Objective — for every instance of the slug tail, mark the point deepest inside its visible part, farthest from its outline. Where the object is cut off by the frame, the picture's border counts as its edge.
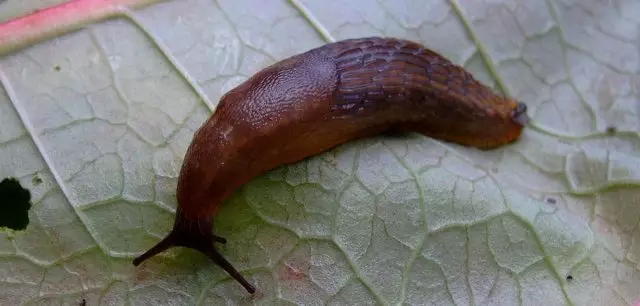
(196, 235)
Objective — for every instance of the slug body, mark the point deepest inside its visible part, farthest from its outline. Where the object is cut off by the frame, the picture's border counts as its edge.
(316, 100)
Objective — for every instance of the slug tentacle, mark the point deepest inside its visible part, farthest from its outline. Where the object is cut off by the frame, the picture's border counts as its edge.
(200, 238)
(168, 242)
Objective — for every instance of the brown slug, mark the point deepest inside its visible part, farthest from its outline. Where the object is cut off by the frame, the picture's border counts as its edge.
(316, 100)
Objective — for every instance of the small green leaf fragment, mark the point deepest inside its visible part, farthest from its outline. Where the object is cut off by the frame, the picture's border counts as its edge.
(36, 180)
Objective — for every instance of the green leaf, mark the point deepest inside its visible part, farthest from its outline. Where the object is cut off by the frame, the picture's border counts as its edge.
(99, 101)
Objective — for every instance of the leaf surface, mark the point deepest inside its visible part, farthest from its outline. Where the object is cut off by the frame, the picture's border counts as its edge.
(98, 110)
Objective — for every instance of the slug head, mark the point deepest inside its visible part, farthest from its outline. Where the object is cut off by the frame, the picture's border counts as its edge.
(201, 188)
(195, 235)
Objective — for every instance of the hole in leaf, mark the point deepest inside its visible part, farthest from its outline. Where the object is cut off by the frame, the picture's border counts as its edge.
(15, 202)
(569, 278)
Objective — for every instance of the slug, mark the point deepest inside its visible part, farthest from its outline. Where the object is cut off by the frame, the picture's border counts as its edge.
(311, 102)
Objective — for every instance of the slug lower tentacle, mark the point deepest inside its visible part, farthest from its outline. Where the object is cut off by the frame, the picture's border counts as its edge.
(316, 100)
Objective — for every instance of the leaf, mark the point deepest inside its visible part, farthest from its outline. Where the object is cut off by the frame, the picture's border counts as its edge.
(100, 100)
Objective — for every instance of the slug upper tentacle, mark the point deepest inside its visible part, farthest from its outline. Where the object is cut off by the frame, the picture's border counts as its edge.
(198, 236)
(316, 100)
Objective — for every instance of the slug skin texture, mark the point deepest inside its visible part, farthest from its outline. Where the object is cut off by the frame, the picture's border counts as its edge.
(314, 101)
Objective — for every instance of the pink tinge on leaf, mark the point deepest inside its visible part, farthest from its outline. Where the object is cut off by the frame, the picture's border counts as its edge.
(59, 19)
(292, 273)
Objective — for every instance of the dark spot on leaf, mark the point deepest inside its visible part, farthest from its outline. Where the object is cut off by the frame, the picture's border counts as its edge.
(36, 180)
(611, 130)
(551, 200)
(83, 302)
(569, 278)
(57, 68)
(15, 202)
(494, 170)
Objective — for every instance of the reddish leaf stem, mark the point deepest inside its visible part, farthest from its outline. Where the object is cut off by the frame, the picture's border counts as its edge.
(60, 19)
